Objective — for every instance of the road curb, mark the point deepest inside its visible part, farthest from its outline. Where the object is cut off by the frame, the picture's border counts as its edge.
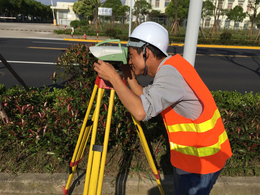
(44, 183)
(30, 30)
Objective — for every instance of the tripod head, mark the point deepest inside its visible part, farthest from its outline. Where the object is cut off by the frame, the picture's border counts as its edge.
(116, 55)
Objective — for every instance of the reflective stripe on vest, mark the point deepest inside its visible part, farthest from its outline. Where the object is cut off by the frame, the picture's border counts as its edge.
(192, 127)
(203, 151)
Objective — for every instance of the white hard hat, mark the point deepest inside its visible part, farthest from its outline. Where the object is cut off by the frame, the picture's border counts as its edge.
(152, 33)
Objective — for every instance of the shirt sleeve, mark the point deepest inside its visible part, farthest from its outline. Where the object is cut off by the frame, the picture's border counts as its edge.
(166, 90)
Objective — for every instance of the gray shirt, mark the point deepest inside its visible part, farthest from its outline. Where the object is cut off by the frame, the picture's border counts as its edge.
(170, 89)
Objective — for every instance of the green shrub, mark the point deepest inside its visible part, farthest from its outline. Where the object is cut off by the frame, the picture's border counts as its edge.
(75, 23)
(84, 29)
(174, 39)
(118, 31)
(122, 37)
(241, 118)
(83, 23)
(39, 120)
(60, 31)
(111, 33)
(225, 36)
(49, 120)
(77, 67)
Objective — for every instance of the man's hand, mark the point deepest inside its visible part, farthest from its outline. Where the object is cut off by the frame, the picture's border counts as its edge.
(105, 70)
(127, 71)
(131, 101)
(131, 79)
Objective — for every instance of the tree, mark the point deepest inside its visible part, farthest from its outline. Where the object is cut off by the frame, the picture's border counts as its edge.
(237, 14)
(7, 7)
(257, 20)
(122, 10)
(217, 12)
(36, 8)
(115, 5)
(87, 9)
(252, 5)
(24, 7)
(207, 10)
(47, 12)
(141, 7)
(179, 10)
(154, 14)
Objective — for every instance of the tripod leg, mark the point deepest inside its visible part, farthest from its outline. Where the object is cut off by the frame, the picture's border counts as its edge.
(91, 101)
(81, 143)
(105, 144)
(93, 139)
(148, 153)
(77, 156)
(97, 150)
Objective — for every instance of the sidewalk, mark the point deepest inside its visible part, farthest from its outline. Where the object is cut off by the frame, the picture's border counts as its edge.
(37, 30)
(46, 184)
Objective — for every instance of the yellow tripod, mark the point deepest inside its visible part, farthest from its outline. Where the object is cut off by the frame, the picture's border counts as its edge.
(97, 153)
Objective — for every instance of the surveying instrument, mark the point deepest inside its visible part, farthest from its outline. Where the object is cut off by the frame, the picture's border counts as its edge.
(97, 153)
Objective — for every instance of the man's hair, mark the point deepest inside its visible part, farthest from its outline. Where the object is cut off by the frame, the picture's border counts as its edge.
(158, 54)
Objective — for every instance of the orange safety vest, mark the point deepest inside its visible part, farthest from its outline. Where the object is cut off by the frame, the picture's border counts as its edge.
(197, 146)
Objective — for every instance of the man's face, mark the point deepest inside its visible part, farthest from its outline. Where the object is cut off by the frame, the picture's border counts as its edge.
(136, 61)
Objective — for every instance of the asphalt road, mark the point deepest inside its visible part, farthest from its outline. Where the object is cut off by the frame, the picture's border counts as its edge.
(31, 64)
(230, 73)
(220, 68)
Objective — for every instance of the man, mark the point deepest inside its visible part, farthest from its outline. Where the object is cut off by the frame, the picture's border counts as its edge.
(198, 141)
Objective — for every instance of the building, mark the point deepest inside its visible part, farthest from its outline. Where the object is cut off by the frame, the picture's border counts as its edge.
(160, 5)
(223, 22)
(65, 13)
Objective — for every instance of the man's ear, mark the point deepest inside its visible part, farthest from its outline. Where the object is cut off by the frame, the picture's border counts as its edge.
(147, 52)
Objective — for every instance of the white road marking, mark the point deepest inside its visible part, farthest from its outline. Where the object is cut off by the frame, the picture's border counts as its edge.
(30, 62)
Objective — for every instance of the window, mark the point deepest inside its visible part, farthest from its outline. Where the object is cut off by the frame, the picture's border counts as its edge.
(207, 22)
(249, 7)
(63, 15)
(229, 6)
(246, 24)
(227, 23)
(220, 5)
(219, 23)
(167, 3)
(157, 3)
(236, 25)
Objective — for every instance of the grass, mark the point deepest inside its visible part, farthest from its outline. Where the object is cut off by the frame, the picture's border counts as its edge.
(17, 160)
(130, 162)
(238, 167)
